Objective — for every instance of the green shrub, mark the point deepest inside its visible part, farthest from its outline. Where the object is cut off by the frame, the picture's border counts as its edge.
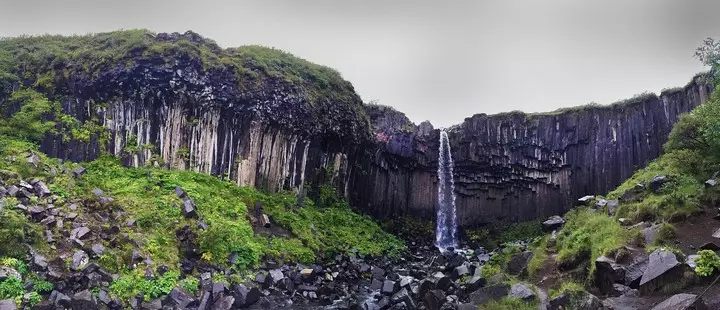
(15, 232)
(190, 284)
(15, 263)
(224, 237)
(707, 263)
(42, 286)
(666, 233)
(12, 288)
(130, 285)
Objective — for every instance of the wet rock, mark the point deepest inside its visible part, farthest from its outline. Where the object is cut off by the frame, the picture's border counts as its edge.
(518, 263)
(663, 271)
(456, 260)
(657, 182)
(553, 223)
(682, 302)
(522, 291)
(80, 259)
(6, 272)
(434, 299)
(444, 283)
(403, 296)
(635, 270)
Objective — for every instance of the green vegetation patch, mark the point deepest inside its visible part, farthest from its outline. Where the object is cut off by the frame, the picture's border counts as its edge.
(510, 303)
(588, 234)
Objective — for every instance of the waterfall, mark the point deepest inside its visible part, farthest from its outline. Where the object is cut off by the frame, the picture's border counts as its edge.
(446, 230)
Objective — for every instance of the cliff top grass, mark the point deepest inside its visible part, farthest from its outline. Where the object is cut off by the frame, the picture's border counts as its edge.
(45, 61)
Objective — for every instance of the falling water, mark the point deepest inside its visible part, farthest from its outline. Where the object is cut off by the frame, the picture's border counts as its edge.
(446, 231)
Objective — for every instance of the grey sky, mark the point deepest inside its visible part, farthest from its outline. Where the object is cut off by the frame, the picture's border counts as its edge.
(435, 60)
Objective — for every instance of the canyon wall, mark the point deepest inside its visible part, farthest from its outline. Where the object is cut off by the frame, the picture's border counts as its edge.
(263, 118)
(516, 166)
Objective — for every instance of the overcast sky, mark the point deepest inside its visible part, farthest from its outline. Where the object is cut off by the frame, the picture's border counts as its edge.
(434, 60)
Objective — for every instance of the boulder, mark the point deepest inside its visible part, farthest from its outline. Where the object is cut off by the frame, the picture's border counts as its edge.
(389, 287)
(522, 291)
(607, 272)
(651, 233)
(612, 206)
(378, 273)
(97, 249)
(80, 232)
(224, 303)
(7, 304)
(42, 190)
(576, 301)
(80, 259)
(459, 272)
(6, 272)
(265, 220)
(485, 294)
(601, 203)
(657, 182)
(663, 271)
(276, 275)
(434, 299)
(553, 223)
(710, 183)
(716, 234)
(39, 261)
(188, 209)
(584, 201)
(180, 192)
(403, 296)
(710, 246)
(78, 171)
(83, 300)
(60, 299)
(179, 298)
(682, 302)
(691, 261)
(518, 263)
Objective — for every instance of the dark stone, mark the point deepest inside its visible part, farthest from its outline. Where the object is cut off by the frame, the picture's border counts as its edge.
(83, 301)
(475, 282)
(657, 182)
(663, 270)
(78, 171)
(522, 291)
(518, 263)
(445, 283)
(155, 304)
(276, 275)
(376, 285)
(485, 294)
(710, 246)
(456, 260)
(612, 206)
(389, 287)
(205, 301)
(60, 299)
(585, 200)
(39, 261)
(180, 192)
(682, 302)
(459, 272)
(98, 249)
(79, 260)
(434, 299)
(553, 223)
(188, 209)
(224, 303)
(80, 233)
(179, 298)
(710, 183)
(403, 296)
(378, 273)
(607, 272)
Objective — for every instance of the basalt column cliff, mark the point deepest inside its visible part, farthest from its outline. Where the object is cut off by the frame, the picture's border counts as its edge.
(517, 166)
(261, 117)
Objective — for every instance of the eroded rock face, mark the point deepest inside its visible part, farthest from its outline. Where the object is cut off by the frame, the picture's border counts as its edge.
(269, 133)
(516, 166)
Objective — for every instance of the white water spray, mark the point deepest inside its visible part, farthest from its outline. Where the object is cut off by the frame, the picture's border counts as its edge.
(446, 230)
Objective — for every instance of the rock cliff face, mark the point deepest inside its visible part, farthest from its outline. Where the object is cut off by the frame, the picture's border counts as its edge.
(264, 118)
(516, 166)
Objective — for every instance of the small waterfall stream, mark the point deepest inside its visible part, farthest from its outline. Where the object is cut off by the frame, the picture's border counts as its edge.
(446, 230)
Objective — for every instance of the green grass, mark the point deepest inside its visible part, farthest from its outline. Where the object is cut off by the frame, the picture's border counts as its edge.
(588, 235)
(566, 287)
(510, 303)
(540, 256)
